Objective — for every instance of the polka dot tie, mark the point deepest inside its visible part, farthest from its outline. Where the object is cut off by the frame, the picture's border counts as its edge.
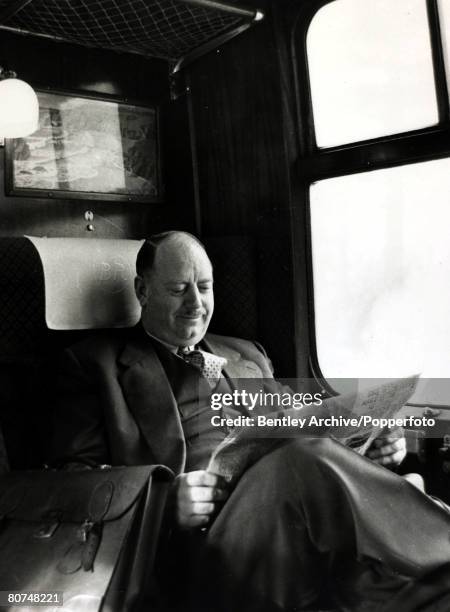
(209, 365)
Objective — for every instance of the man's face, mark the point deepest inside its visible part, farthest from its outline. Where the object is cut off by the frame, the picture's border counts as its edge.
(177, 294)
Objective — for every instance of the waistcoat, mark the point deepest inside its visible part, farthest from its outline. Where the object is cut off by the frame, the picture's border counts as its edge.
(193, 396)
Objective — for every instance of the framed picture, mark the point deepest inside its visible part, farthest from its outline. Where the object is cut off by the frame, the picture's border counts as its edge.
(90, 148)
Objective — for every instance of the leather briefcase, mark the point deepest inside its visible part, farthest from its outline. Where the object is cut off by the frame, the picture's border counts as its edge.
(89, 536)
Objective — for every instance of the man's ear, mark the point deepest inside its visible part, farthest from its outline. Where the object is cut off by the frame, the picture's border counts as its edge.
(141, 290)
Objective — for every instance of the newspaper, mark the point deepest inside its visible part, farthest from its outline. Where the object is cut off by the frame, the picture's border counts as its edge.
(354, 419)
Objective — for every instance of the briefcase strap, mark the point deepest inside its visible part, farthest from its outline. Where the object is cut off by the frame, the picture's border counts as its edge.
(82, 552)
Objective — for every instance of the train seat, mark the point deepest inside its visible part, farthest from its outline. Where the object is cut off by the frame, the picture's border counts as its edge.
(53, 290)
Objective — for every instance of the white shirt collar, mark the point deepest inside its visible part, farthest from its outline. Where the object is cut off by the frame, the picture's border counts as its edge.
(174, 349)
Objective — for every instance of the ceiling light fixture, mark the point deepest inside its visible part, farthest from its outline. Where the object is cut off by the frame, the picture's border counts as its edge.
(19, 106)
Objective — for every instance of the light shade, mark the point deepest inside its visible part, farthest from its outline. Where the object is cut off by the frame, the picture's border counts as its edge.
(19, 109)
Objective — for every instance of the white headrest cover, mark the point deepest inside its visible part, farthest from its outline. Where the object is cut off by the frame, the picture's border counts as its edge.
(88, 282)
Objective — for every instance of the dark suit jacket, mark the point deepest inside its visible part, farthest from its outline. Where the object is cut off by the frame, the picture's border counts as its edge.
(115, 404)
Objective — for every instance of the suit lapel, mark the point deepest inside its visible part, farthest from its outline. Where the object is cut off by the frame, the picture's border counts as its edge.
(236, 367)
(151, 401)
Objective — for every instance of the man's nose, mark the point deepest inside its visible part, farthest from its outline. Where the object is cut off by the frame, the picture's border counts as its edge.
(193, 298)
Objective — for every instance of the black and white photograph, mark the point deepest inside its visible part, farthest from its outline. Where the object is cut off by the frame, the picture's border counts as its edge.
(225, 305)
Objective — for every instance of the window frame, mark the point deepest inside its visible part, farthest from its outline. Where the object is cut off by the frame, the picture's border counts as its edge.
(314, 163)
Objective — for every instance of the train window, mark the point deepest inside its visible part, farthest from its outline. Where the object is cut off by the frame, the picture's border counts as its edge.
(371, 69)
(381, 269)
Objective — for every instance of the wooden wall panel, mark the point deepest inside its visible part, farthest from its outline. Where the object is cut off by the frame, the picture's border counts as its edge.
(239, 132)
(69, 67)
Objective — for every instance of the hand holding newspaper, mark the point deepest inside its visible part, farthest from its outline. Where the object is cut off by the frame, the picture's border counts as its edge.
(354, 419)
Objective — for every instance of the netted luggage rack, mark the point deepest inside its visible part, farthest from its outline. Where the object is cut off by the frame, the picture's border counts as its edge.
(175, 30)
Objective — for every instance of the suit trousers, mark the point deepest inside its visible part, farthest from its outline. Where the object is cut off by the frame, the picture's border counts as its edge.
(313, 525)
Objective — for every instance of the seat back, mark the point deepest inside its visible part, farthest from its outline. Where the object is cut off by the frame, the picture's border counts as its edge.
(49, 288)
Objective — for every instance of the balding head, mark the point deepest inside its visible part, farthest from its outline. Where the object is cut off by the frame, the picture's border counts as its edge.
(174, 288)
(147, 253)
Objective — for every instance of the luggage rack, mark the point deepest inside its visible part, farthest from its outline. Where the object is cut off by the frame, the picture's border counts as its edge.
(178, 31)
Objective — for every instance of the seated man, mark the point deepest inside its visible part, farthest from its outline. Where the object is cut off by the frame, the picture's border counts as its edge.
(309, 517)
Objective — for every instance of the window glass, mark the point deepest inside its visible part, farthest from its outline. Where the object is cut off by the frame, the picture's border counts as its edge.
(381, 269)
(371, 69)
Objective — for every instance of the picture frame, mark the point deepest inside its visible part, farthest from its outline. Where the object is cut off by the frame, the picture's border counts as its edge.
(86, 147)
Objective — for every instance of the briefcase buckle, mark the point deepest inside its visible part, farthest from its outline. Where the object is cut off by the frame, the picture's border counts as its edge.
(50, 523)
(46, 530)
(84, 531)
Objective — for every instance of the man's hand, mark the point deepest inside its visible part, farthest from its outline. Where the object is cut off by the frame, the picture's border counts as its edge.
(389, 449)
(197, 495)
